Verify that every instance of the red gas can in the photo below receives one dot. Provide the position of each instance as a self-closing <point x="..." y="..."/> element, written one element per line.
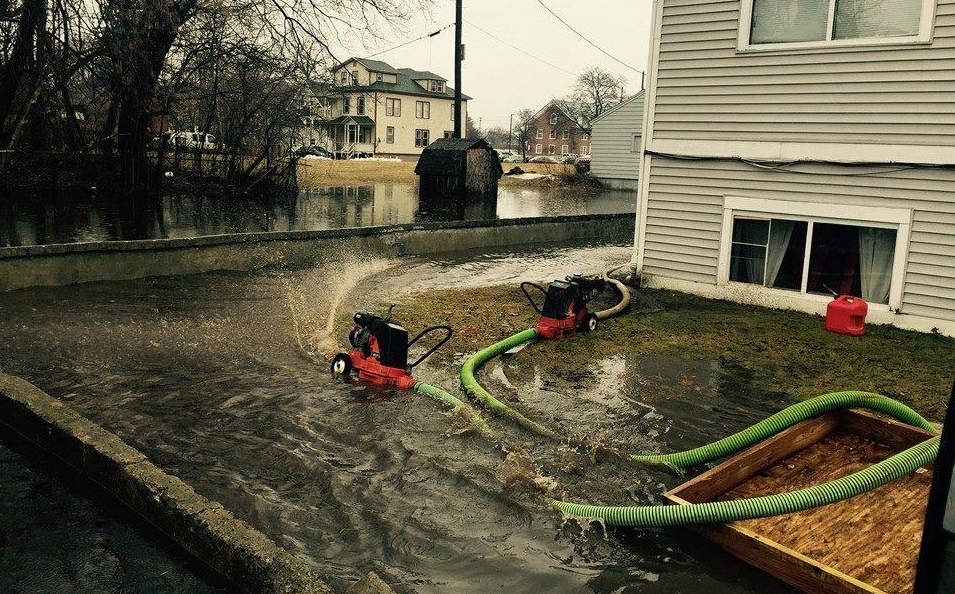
<point x="846" y="315"/>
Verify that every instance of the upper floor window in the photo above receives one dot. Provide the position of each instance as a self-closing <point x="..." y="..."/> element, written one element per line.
<point x="378" y="76"/>
<point x="354" y="78"/>
<point x="393" y="107"/>
<point x="344" y="78"/>
<point x="553" y="134"/>
<point x="566" y="135"/>
<point x="437" y="86"/>
<point x="553" y="118"/>
<point x="346" y="104"/>
<point x="540" y="133"/>
<point x="422" y="109"/>
<point x="819" y="23"/>
<point x="361" y="106"/>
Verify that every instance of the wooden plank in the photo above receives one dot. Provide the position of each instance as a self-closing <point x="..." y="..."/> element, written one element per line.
<point x="867" y="544"/>
<point x="729" y="474"/>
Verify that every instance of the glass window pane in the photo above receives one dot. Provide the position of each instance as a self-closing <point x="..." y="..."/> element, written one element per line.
<point x="877" y="18"/>
<point x="787" y="248"/>
<point x="750" y="231"/>
<point x="747" y="263"/>
<point x="776" y="21"/>
<point x="834" y="260"/>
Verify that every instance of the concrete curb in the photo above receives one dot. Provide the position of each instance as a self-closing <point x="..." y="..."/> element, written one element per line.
<point x="237" y="551"/>
<point x="65" y="264"/>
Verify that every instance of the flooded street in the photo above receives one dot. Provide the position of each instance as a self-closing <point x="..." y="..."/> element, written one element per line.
<point x="221" y="380"/>
<point x="93" y="217"/>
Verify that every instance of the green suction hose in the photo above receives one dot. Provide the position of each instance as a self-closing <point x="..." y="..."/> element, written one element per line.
<point x="472" y="387"/>
<point x="455" y="403"/>
<point x="715" y="512"/>
<point x="840" y="489"/>
<point x="785" y="418"/>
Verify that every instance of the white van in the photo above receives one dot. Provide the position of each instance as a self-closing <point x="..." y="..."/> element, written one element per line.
<point x="192" y="140"/>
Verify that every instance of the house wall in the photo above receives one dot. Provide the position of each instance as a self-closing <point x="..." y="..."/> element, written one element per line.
<point x="684" y="224"/>
<point x="707" y="90"/>
<point x="578" y="141"/>
<point x="840" y="129"/>
<point x="440" y="122"/>
<point x="614" y="151"/>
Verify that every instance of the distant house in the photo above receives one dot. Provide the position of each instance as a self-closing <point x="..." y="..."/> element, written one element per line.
<point x="615" y="144"/>
<point x="371" y="108"/>
<point x="786" y="155"/>
<point x="553" y="131"/>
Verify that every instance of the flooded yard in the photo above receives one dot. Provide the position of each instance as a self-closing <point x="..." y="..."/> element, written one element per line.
<point x="222" y="379"/>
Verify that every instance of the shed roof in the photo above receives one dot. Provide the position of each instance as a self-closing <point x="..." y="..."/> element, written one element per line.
<point x="446" y="156"/>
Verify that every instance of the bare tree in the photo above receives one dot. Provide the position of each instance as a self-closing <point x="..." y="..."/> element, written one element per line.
<point x="595" y="91"/>
<point x="524" y="128"/>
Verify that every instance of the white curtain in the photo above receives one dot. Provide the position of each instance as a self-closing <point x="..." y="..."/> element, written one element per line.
<point x="780" y="231"/>
<point x="780" y="21"/>
<point x="876" y="255"/>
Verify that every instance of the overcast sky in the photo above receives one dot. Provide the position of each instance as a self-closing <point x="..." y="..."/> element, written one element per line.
<point x="517" y="54"/>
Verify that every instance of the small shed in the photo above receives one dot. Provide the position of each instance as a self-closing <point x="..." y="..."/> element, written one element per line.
<point x="458" y="168"/>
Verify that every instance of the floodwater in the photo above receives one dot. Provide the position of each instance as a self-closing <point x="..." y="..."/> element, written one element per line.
<point x="94" y="217"/>
<point x="221" y="379"/>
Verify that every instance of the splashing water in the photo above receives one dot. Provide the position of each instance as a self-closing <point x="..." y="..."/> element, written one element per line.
<point x="314" y="301"/>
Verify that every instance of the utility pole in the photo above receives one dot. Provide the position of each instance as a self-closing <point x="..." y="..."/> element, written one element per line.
<point x="458" y="58"/>
<point x="510" y="128"/>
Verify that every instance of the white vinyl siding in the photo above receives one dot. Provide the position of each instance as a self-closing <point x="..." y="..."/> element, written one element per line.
<point x="612" y="151"/>
<point x="684" y="218"/>
<point x="708" y="90"/>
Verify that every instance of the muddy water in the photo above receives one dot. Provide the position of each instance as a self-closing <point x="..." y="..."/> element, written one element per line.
<point x="220" y="379"/>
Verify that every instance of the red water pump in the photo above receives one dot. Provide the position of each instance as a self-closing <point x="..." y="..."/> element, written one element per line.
<point x="379" y="351"/>
<point x="564" y="311"/>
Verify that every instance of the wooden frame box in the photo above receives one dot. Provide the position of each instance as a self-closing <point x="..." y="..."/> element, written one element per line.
<point x="868" y="543"/>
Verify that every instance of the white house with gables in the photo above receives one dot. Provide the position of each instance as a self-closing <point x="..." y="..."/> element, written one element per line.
<point x="376" y="109"/>
<point x="793" y="147"/>
<point x="615" y="140"/>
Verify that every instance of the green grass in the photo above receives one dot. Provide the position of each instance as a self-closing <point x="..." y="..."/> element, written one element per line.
<point x="777" y="351"/>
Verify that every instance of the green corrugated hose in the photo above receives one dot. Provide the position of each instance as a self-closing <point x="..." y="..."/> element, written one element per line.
<point x="840" y="489"/>
<point x="472" y="387"/>
<point x="455" y="403"/>
<point x="785" y="418"/>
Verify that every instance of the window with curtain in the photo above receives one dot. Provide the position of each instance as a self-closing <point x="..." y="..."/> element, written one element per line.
<point x="794" y="21"/>
<point x="843" y="259"/>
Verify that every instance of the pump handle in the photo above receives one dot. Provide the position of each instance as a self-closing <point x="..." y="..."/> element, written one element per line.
<point x="428" y="330"/>
<point x="530" y="299"/>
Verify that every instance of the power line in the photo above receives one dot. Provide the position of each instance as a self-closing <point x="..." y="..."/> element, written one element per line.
<point x="579" y="34"/>
<point x="529" y="55"/>
<point x="432" y="34"/>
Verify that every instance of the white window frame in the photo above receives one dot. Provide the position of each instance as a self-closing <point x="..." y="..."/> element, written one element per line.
<point x="926" y="27"/>
<point x="538" y="148"/>
<point x="393" y="107"/>
<point x="422" y="110"/>
<point x="389" y="135"/>
<point x="564" y="149"/>
<point x="565" y="135"/>
<point x="422" y="137"/>
<point x="540" y="133"/>
<point x="899" y="219"/>
<point x="553" y="117"/>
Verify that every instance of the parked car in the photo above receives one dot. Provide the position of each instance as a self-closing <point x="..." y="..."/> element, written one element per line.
<point x="582" y="164"/>
<point x="194" y="140"/>
<point x="512" y="158"/>
<point x="544" y="159"/>
<point x="568" y="158"/>
<point x="312" y="150"/>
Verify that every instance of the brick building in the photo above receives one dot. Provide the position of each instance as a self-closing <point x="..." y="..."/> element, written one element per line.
<point x="555" y="132"/>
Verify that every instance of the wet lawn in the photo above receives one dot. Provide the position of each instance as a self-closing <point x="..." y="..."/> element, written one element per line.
<point x="781" y="352"/>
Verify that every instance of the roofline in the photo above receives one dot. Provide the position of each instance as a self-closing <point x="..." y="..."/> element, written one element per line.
<point x="637" y="95"/>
